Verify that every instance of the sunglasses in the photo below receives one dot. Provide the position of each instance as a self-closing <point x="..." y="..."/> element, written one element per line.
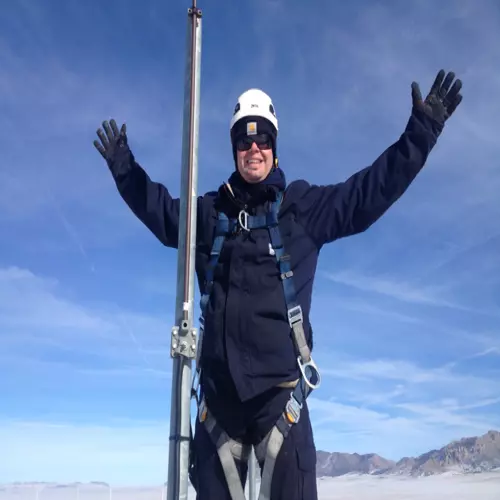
<point x="263" y="141"/>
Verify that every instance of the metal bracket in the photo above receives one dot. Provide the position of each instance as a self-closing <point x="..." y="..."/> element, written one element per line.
<point x="194" y="11"/>
<point x="183" y="342"/>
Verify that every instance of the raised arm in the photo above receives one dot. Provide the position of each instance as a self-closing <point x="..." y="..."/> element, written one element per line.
<point x="335" y="211"/>
<point x="149" y="201"/>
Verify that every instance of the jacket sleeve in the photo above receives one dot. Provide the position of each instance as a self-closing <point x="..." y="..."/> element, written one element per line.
<point x="150" y="201"/>
<point x="347" y="208"/>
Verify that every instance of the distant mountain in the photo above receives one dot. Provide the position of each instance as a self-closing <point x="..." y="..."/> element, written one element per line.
<point x="338" y="464"/>
<point x="471" y="454"/>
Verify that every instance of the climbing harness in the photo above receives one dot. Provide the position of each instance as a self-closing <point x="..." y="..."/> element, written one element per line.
<point x="229" y="450"/>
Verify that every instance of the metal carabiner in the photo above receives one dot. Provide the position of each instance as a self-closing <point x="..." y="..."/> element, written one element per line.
<point x="312" y="366"/>
<point x="243" y="220"/>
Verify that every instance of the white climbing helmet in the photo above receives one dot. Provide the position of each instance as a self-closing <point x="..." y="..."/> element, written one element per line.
<point x="254" y="102"/>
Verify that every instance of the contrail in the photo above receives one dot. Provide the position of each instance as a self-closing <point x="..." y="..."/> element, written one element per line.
<point x="73" y="234"/>
<point x="70" y="230"/>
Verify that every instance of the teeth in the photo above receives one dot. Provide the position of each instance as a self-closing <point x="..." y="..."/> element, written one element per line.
<point x="253" y="161"/>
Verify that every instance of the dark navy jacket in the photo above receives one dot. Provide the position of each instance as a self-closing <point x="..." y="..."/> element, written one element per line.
<point x="247" y="335"/>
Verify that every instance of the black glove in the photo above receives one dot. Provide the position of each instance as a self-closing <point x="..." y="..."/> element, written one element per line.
<point x="113" y="141"/>
<point x="441" y="101"/>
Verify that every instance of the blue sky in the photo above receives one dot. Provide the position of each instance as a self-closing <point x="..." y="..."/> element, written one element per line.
<point x="406" y="315"/>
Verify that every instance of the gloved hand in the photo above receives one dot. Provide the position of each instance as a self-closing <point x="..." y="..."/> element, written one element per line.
<point x="112" y="142"/>
<point x="441" y="101"/>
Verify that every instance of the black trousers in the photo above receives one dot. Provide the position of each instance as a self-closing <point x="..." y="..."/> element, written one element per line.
<point x="294" y="476"/>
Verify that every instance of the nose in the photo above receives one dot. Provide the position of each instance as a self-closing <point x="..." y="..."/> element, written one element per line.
<point x="254" y="147"/>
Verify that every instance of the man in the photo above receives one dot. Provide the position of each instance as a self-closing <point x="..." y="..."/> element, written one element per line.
<point x="255" y="360"/>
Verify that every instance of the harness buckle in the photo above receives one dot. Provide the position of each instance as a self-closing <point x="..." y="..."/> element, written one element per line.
<point x="294" y="315"/>
<point x="243" y="220"/>
<point x="203" y="411"/>
<point x="310" y="366"/>
<point x="292" y="410"/>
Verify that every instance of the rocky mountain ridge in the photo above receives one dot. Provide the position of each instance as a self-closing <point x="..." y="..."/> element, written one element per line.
<point x="467" y="455"/>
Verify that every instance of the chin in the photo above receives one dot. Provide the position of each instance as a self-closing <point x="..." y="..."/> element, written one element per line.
<point x="254" y="176"/>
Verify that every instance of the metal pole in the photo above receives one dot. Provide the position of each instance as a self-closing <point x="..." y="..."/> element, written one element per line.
<point x="183" y="342"/>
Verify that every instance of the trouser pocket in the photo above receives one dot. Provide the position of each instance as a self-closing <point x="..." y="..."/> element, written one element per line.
<point x="306" y="465"/>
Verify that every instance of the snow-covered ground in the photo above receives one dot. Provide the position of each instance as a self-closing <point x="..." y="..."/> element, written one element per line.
<point x="485" y="486"/>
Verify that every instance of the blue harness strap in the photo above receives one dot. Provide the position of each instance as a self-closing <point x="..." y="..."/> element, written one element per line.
<point x="223" y="227"/>
<point x="268" y="449"/>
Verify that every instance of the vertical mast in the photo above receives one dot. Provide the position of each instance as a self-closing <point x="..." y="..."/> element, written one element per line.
<point x="183" y="342"/>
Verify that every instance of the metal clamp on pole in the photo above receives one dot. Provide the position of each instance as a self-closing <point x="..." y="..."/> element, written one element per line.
<point x="183" y="342"/>
<point x="194" y="11"/>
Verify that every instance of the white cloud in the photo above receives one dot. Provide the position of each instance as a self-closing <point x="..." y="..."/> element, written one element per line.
<point x="394" y="431"/>
<point x="423" y="293"/>
<point x="363" y="307"/>
<point x="444" y="381"/>
<point x="27" y="300"/>
<point x="126" y="372"/>
<point x="398" y="407"/>
<point x="449" y="416"/>
<point x="39" y="315"/>
<point x="384" y="369"/>
<point x="398" y="290"/>
<point x="66" y="452"/>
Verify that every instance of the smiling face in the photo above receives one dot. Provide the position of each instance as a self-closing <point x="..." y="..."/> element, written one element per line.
<point x="254" y="157"/>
